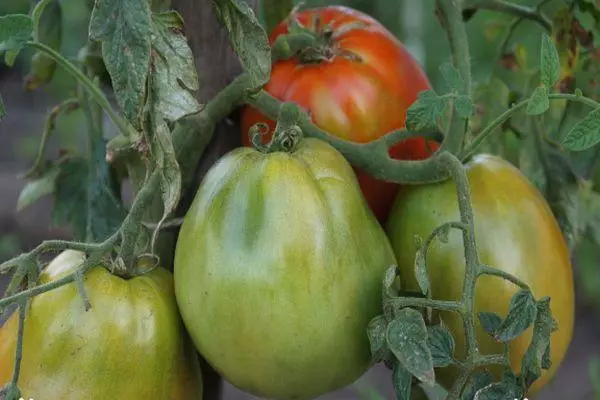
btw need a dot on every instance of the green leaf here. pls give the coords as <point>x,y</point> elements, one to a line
<point>424,114</point>
<point>521,314</point>
<point>546,358</point>
<point>539,102</point>
<point>172,86</point>
<point>402,380</point>
<point>478,380</point>
<point>509,388</point>
<point>585,134</point>
<point>174,78</point>
<point>464,106</point>
<point>564,193</point>
<point>15,31</point>
<point>496,391</point>
<point>388,280</point>
<point>441,344</point>
<point>376,331</point>
<point>550,62</point>
<point>85,199</point>
<point>490,321</point>
<point>38,187</point>
<point>421,271</point>
<point>47,17</point>
<point>123,27</point>
<point>36,16</point>
<point>406,337</point>
<point>248,38</point>
<point>452,77</point>
<point>537,355</point>
<point>275,11</point>
<point>167,163</point>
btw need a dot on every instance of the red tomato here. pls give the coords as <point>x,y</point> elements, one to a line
<point>360,93</point>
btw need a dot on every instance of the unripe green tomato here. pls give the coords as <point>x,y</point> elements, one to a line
<point>515,231</point>
<point>278,271</point>
<point>130,345</point>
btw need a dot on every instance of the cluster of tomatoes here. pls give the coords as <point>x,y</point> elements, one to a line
<point>280,259</point>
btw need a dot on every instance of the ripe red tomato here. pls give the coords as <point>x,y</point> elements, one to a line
<point>359,93</point>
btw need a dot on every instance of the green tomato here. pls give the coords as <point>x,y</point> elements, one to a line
<point>278,270</point>
<point>130,345</point>
<point>515,232</point>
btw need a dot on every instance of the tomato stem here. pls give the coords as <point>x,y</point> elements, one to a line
<point>465,207</point>
<point>488,270</point>
<point>22,304</point>
<point>506,115</point>
<point>372,156</point>
<point>38,164</point>
<point>518,10</point>
<point>450,16</point>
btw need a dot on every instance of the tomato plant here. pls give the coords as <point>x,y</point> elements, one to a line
<point>515,232</point>
<point>357,84</point>
<point>269,240</point>
<point>130,344</point>
<point>284,277</point>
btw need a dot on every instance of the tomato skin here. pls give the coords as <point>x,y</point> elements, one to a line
<point>278,270</point>
<point>515,232</point>
<point>359,101</point>
<point>130,345</point>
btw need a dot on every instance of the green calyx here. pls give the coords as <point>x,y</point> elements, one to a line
<point>314,44</point>
<point>287,133</point>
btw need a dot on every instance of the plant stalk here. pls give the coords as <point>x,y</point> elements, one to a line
<point>517,10</point>
<point>506,115</point>
<point>92,89</point>
<point>450,16</point>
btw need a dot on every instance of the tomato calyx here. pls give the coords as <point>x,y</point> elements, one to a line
<point>287,133</point>
<point>320,41</point>
<point>284,139</point>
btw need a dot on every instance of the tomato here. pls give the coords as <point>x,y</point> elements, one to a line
<point>359,94</point>
<point>130,345</point>
<point>515,232</point>
<point>278,269</point>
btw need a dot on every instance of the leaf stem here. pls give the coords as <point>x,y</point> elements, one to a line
<point>373,156</point>
<point>19,347</point>
<point>488,270</point>
<point>95,251</point>
<point>506,115</point>
<point>38,164</point>
<point>488,130</point>
<point>422,302</point>
<point>463,193</point>
<point>129,228</point>
<point>48,246</point>
<point>92,89</point>
<point>518,10</point>
<point>482,360</point>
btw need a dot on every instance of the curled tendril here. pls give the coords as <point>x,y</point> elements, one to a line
<point>287,133</point>
<point>256,133</point>
<point>287,140</point>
